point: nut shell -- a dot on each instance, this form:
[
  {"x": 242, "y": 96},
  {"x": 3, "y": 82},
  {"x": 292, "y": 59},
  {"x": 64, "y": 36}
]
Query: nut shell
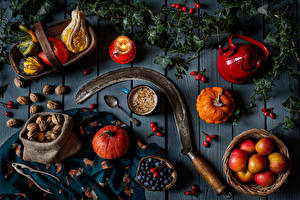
[
  {"x": 57, "y": 129},
  {"x": 34, "y": 109},
  {"x": 31, "y": 135},
  {"x": 43, "y": 126},
  {"x": 19, "y": 82},
  {"x": 57, "y": 119},
  {"x": 60, "y": 90},
  {"x": 32, "y": 127},
  {"x": 13, "y": 123},
  {"x": 34, "y": 97},
  {"x": 48, "y": 89},
  {"x": 53, "y": 105},
  {"x": 39, "y": 119},
  {"x": 23, "y": 100}
]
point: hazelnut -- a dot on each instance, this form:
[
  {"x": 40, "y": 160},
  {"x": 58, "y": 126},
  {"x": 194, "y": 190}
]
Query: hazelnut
[
  {"x": 34, "y": 97},
  {"x": 19, "y": 82},
  {"x": 53, "y": 105},
  {"x": 41, "y": 136},
  {"x": 32, "y": 127},
  {"x": 48, "y": 89},
  {"x": 23, "y": 100},
  {"x": 43, "y": 126},
  {"x": 57, "y": 128},
  {"x": 57, "y": 119},
  {"x": 13, "y": 123},
  {"x": 34, "y": 109},
  {"x": 39, "y": 119},
  {"x": 31, "y": 135},
  {"x": 60, "y": 90}
]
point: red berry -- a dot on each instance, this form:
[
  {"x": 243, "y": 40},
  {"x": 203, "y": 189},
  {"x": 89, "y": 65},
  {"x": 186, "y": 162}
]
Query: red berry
[
  {"x": 152, "y": 124},
  {"x": 208, "y": 138},
  {"x": 173, "y": 5},
  {"x": 188, "y": 193},
  {"x": 263, "y": 109},
  {"x": 184, "y": 9},
  {"x": 272, "y": 115},
  {"x": 193, "y": 73},
  {"x": 180, "y": 9},
  {"x": 86, "y": 71},
  {"x": 205, "y": 143},
  {"x": 92, "y": 106},
  {"x": 194, "y": 188},
  {"x": 155, "y": 174},
  {"x": 267, "y": 113},
  {"x": 7, "y": 114},
  {"x": 213, "y": 136},
  {"x": 154, "y": 129},
  {"x": 198, "y": 77},
  {"x": 159, "y": 134},
  {"x": 203, "y": 79},
  {"x": 10, "y": 106},
  {"x": 10, "y": 102},
  {"x": 197, "y": 5},
  {"x": 153, "y": 170},
  {"x": 192, "y": 10},
  {"x": 177, "y": 6}
]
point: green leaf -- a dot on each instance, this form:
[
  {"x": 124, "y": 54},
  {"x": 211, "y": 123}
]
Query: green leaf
[
  {"x": 2, "y": 90},
  {"x": 163, "y": 61}
]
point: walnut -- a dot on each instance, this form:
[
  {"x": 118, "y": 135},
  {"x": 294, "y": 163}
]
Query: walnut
[
  {"x": 60, "y": 90},
  {"x": 31, "y": 135},
  {"x": 48, "y": 89},
  {"x": 53, "y": 105},
  {"x": 32, "y": 127},
  {"x": 39, "y": 119},
  {"x": 50, "y": 135},
  {"x": 40, "y": 136},
  {"x": 43, "y": 126},
  {"x": 34, "y": 97},
  {"x": 57, "y": 119},
  {"x": 49, "y": 119},
  {"x": 57, "y": 128},
  {"x": 23, "y": 100},
  {"x": 34, "y": 109},
  {"x": 13, "y": 123},
  {"x": 19, "y": 82}
]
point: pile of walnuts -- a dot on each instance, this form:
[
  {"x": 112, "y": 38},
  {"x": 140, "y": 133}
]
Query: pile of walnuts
[{"x": 46, "y": 128}]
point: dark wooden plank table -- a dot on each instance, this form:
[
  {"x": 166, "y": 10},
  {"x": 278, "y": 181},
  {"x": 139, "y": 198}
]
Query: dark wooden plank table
[{"x": 99, "y": 63}]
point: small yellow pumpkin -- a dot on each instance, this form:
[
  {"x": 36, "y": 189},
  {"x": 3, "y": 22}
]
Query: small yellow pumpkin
[
  {"x": 75, "y": 35},
  {"x": 32, "y": 66},
  {"x": 215, "y": 105}
]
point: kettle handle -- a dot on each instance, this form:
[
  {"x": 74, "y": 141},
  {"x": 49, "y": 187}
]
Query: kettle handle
[{"x": 255, "y": 42}]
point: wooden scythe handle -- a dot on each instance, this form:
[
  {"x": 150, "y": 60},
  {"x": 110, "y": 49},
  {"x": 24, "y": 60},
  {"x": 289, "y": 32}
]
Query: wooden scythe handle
[{"x": 178, "y": 106}]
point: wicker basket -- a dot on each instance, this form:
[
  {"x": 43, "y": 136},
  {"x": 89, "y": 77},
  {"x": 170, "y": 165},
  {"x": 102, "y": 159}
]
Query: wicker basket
[
  {"x": 174, "y": 174},
  {"x": 252, "y": 188},
  {"x": 54, "y": 30}
]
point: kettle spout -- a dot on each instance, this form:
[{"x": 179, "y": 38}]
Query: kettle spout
[{"x": 220, "y": 50}]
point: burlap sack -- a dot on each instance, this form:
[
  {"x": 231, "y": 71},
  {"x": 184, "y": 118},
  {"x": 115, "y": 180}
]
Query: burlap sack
[{"x": 65, "y": 145}]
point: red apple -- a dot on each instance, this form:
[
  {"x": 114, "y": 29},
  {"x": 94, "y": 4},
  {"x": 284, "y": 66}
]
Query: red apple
[
  {"x": 256, "y": 163},
  {"x": 238, "y": 160},
  {"x": 244, "y": 176},
  {"x": 264, "y": 146},
  {"x": 265, "y": 178},
  {"x": 277, "y": 163},
  {"x": 248, "y": 146}
]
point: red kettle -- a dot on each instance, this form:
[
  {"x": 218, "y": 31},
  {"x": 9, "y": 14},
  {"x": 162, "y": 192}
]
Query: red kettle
[{"x": 237, "y": 63}]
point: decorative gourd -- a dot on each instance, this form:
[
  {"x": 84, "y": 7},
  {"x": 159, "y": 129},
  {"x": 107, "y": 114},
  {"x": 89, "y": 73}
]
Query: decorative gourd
[
  {"x": 32, "y": 66},
  {"x": 111, "y": 142},
  {"x": 215, "y": 105},
  {"x": 75, "y": 35},
  {"x": 28, "y": 45}
]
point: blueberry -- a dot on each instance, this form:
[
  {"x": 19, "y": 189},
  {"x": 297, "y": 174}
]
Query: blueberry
[
  {"x": 146, "y": 184},
  {"x": 170, "y": 171},
  {"x": 161, "y": 186},
  {"x": 147, "y": 164},
  {"x": 150, "y": 159},
  {"x": 151, "y": 182},
  {"x": 166, "y": 181},
  {"x": 157, "y": 164},
  {"x": 160, "y": 179},
  {"x": 153, "y": 188},
  {"x": 170, "y": 179}
]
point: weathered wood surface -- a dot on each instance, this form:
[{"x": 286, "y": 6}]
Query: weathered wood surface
[{"x": 99, "y": 63}]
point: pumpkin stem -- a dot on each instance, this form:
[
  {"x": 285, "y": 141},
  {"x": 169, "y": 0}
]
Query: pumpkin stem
[
  {"x": 217, "y": 101},
  {"x": 110, "y": 133}
]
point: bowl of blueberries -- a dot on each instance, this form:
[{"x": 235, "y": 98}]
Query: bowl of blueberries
[{"x": 155, "y": 174}]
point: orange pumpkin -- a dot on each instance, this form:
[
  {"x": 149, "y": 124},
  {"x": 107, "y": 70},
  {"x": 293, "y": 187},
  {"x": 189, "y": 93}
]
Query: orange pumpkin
[
  {"x": 215, "y": 105},
  {"x": 111, "y": 142}
]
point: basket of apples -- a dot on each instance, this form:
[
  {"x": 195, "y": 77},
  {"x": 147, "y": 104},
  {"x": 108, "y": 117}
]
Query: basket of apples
[{"x": 256, "y": 163}]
